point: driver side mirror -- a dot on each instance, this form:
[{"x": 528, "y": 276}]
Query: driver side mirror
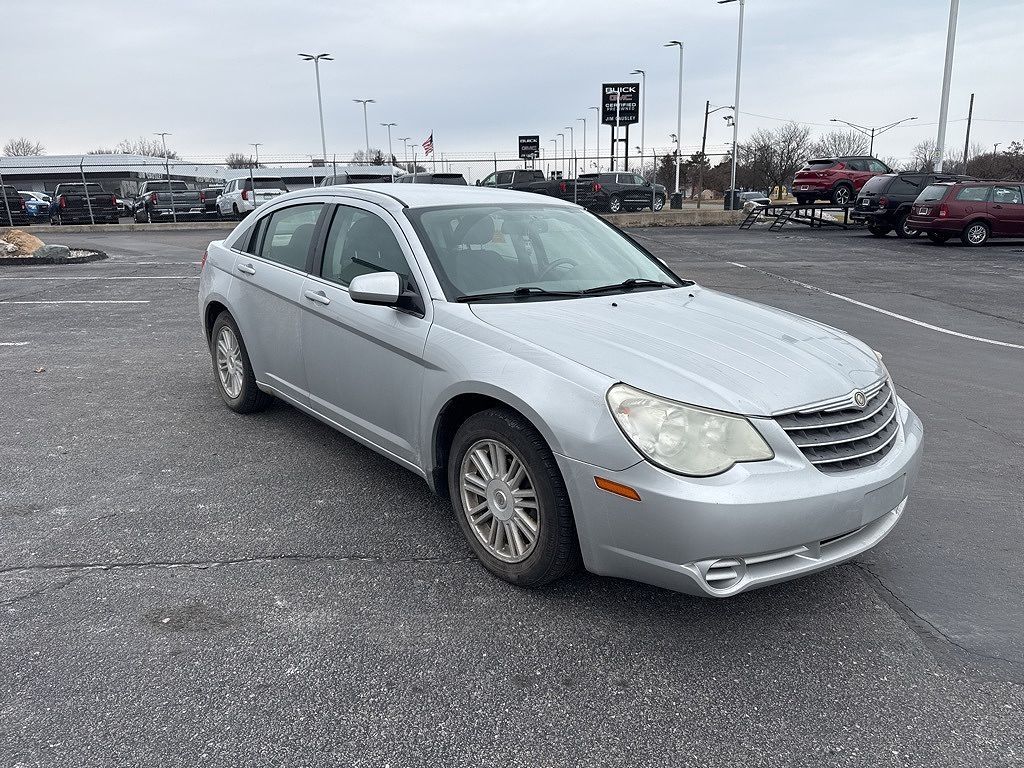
[{"x": 382, "y": 288}]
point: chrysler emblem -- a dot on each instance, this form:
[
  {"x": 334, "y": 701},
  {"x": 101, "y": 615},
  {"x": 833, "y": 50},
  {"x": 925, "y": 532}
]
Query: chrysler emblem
[{"x": 859, "y": 400}]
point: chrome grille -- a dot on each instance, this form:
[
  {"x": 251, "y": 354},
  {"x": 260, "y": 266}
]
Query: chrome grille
[{"x": 840, "y": 436}]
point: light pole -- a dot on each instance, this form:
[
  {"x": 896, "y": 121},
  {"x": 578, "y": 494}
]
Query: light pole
[
  {"x": 391, "y": 155},
  {"x": 597, "y": 138},
  {"x": 995, "y": 148},
  {"x": 316, "y": 59},
  {"x": 555, "y": 153},
  {"x": 736, "y": 98},
  {"x": 405, "y": 150},
  {"x": 947, "y": 75},
  {"x": 257, "y": 148},
  {"x": 584, "y": 121},
  {"x": 167, "y": 173},
  {"x": 572, "y": 147},
  {"x": 703, "y": 149},
  {"x": 679, "y": 108},
  {"x": 872, "y": 132},
  {"x": 643, "y": 108},
  {"x": 366, "y": 125},
  {"x": 561, "y": 164}
]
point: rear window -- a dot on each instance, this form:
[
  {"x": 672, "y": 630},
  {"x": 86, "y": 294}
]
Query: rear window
[
  {"x": 449, "y": 178},
  {"x": 876, "y": 184},
  {"x": 161, "y": 186},
  {"x": 973, "y": 194},
  {"x": 818, "y": 165},
  {"x": 933, "y": 192},
  {"x": 264, "y": 183}
]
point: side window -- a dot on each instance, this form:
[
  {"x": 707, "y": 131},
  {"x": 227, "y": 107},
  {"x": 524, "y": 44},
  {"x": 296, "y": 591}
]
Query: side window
[
  {"x": 1006, "y": 195},
  {"x": 288, "y": 235},
  {"x": 906, "y": 185},
  {"x": 489, "y": 181},
  {"x": 876, "y": 167},
  {"x": 973, "y": 194},
  {"x": 857, "y": 165},
  {"x": 504, "y": 177},
  {"x": 638, "y": 180},
  {"x": 359, "y": 243}
]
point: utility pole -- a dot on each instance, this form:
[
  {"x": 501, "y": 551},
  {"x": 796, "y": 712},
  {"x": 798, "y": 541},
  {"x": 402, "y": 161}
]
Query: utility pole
[
  {"x": 947, "y": 76},
  {"x": 167, "y": 174},
  {"x": 703, "y": 148},
  {"x": 967, "y": 137}
]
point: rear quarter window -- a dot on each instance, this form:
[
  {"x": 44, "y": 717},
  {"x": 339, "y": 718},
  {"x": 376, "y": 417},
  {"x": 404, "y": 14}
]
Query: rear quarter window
[{"x": 972, "y": 194}]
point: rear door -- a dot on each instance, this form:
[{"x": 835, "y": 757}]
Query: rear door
[
  {"x": 267, "y": 292},
  {"x": 1006, "y": 208},
  {"x": 364, "y": 363}
]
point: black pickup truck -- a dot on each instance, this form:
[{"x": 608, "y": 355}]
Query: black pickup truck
[
  {"x": 12, "y": 208},
  {"x": 83, "y": 204},
  {"x": 581, "y": 191},
  {"x": 165, "y": 200}
]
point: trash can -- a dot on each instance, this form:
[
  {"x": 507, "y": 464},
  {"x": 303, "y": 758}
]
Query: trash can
[
  {"x": 676, "y": 200},
  {"x": 732, "y": 200}
]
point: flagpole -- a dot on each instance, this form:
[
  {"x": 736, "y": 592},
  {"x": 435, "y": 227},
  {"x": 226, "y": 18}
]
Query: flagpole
[{"x": 433, "y": 152}]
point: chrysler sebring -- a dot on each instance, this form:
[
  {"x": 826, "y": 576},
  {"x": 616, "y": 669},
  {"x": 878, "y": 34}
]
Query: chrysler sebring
[{"x": 574, "y": 398}]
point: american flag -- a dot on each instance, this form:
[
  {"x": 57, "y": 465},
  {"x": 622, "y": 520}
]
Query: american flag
[{"x": 428, "y": 145}]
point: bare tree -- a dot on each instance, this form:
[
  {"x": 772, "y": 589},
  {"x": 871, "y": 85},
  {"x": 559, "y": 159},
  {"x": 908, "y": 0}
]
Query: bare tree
[
  {"x": 102, "y": 151},
  {"x": 840, "y": 144},
  {"x": 145, "y": 147},
  {"x": 376, "y": 156},
  {"x": 238, "y": 160},
  {"x": 22, "y": 147},
  {"x": 774, "y": 156}
]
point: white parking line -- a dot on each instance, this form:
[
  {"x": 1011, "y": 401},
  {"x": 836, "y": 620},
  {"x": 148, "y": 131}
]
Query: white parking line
[
  {"x": 78, "y": 301},
  {"x": 13, "y": 343},
  {"x": 872, "y": 307},
  {"x": 113, "y": 277}
]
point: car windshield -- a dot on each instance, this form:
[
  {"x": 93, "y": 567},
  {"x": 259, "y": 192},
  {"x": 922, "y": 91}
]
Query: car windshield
[
  {"x": 539, "y": 249},
  {"x": 933, "y": 192}
]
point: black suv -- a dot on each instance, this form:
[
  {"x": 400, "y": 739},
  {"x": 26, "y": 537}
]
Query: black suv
[
  {"x": 619, "y": 191},
  {"x": 884, "y": 202}
]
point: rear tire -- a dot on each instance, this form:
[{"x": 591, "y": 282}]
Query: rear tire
[
  {"x": 232, "y": 370},
  {"x": 554, "y": 549},
  {"x": 804, "y": 200},
  {"x": 659, "y": 203},
  {"x": 841, "y": 195},
  {"x": 902, "y": 231},
  {"x": 938, "y": 238},
  {"x": 615, "y": 204},
  {"x": 975, "y": 234},
  {"x": 878, "y": 230}
]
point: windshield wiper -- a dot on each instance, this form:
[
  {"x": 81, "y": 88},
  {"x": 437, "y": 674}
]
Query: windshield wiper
[
  {"x": 522, "y": 291},
  {"x": 629, "y": 285}
]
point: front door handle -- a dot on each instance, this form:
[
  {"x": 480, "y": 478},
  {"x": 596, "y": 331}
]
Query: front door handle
[
  {"x": 248, "y": 269},
  {"x": 997, "y": 206},
  {"x": 318, "y": 296}
]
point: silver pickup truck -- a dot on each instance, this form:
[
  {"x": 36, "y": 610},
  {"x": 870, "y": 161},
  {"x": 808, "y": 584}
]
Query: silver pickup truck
[{"x": 165, "y": 200}]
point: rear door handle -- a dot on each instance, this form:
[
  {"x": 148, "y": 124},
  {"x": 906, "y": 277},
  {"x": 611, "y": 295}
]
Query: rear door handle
[
  {"x": 248, "y": 269},
  {"x": 318, "y": 296}
]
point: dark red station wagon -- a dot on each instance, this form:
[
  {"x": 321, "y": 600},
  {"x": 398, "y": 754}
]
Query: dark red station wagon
[{"x": 974, "y": 211}]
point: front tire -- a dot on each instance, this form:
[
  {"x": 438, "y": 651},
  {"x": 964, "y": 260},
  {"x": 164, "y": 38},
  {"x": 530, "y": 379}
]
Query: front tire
[
  {"x": 510, "y": 500},
  {"x": 659, "y": 203},
  {"x": 615, "y": 204},
  {"x": 232, "y": 370},
  {"x": 804, "y": 200},
  {"x": 904, "y": 232},
  {"x": 975, "y": 234},
  {"x": 938, "y": 238},
  {"x": 878, "y": 230}
]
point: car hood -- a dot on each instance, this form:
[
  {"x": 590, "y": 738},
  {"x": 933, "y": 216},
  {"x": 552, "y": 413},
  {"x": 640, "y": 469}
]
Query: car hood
[{"x": 696, "y": 346}]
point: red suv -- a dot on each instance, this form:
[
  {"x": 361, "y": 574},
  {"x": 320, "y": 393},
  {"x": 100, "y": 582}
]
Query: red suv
[
  {"x": 837, "y": 179},
  {"x": 976, "y": 211}
]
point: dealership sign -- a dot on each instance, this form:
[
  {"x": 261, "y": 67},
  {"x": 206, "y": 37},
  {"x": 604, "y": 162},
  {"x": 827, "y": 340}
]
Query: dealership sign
[
  {"x": 623, "y": 98},
  {"x": 529, "y": 147}
]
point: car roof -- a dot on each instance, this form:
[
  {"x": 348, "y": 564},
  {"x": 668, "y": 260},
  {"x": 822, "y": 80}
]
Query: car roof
[{"x": 426, "y": 195}]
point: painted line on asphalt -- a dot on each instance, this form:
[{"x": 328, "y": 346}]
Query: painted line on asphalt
[
  {"x": 80, "y": 301},
  {"x": 13, "y": 343},
  {"x": 112, "y": 277},
  {"x": 873, "y": 308}
]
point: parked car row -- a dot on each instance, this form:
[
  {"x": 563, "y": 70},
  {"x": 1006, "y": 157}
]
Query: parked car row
[{"x": 613, "y": 192}]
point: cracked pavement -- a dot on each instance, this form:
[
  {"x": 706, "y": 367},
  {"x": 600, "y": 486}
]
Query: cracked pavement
[{"x": 180, "y": 585}]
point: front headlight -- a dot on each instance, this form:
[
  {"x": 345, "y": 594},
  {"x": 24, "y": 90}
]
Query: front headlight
[{"x": 682, "y": 438}]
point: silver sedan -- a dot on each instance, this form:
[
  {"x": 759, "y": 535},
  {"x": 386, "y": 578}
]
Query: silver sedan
[{"x": 577, "y": 401}]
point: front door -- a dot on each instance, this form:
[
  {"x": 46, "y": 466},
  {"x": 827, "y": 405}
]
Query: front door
[
  {"x": 267, "y": 292},
  {"x": 1006, "y": 208},
  {"x": 364, "y": 363}
]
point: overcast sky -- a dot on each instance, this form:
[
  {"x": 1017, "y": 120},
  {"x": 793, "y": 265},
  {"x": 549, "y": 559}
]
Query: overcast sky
[{"x": 220, "y": 74}]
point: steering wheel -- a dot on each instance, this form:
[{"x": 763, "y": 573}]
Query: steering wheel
[{"x": 555, "y": 264}]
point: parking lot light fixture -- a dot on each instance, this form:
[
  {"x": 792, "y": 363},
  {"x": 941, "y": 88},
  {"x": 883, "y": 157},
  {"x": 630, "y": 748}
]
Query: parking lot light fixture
[
  {"x": 872, "y": 132},
  {"x": 584, "y": 121},
  {"x": 391, "y": 155},
  {"x": 256, "y": 147},
  {"x": 167, "y": 173},
  {"x": 643, "y": 107},
  {"x": 561, "y": 161},
  {"x": 405, "y": 150},
  {"x": 316, "y": 59},
  {"x": 555, "y": 153},
  {"x": 736, "y": 98},
  {"x": 366, "y": 125},
  {"x": 597, "y": 137},
  {"x": 572, "y": 148},
  {"x": 679, "y": 108}
]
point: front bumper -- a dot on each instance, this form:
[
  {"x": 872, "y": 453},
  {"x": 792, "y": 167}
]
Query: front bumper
[{"x": 756, "y": 524}]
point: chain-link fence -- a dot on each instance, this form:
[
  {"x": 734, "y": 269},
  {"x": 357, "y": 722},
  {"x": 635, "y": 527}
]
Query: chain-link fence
[{"x": 29, "y": 183}]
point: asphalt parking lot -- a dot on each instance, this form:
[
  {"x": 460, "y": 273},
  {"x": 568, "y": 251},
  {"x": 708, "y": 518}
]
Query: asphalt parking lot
[{"x": 180, "y": 585}]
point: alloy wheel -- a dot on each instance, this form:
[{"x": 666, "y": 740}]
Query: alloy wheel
[
  {"x": 230, "y": 368},
  {"x": 500, "y": 500},
  {"x": 976, "y": 233}
]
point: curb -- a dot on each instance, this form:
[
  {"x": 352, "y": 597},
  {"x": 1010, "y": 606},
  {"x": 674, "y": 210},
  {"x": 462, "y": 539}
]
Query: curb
[
  {"x": 214, "y": 226},
  {"x": 27, "y": 261}
]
